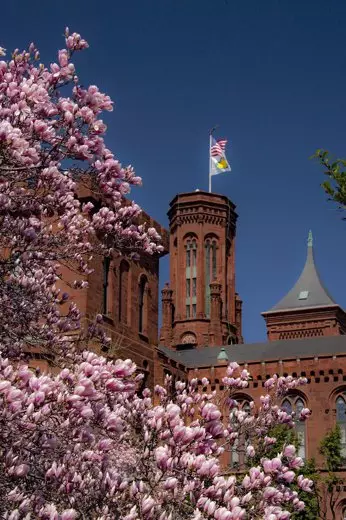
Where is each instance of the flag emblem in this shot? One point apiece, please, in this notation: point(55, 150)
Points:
point(218, 159)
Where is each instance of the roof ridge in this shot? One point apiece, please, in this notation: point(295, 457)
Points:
point(259, 352)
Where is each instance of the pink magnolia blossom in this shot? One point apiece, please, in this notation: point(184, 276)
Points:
point(83, 442)
point(95, 444)
point(51, 144)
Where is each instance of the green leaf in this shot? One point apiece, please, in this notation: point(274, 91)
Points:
point(327, 188)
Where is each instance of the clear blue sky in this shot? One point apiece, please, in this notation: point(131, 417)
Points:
point(272, 74)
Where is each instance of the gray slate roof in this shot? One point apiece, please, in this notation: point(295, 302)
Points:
point(257, 352)
point(308, 291)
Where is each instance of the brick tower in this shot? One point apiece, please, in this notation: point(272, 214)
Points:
point(307, 310)
point(200, 307)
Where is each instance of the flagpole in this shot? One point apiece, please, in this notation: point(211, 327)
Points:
point(210, 145)
point(210, 165)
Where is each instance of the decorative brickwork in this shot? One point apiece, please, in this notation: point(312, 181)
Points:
point(201, 299)
point(126, 293)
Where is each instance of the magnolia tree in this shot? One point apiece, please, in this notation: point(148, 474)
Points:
point(82, 443)
point(51, 145)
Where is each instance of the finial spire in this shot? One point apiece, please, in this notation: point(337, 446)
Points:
point(222, 356)
point(308, 291)
point(310, 239)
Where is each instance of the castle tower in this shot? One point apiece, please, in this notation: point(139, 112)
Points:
point(307, 310)
point(200, 306)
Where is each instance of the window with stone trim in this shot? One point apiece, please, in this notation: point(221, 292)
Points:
point(124, 277)
point(191, 277)
point(341, 421)
point(238, 451)
point(143, 305)
point(295, 404)
point(210, 248)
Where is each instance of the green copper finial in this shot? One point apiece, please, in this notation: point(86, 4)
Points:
point(222, 355)
point(310, 239)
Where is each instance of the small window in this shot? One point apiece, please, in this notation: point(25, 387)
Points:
point(188, 258)
point(303, 295)
point(188, 287)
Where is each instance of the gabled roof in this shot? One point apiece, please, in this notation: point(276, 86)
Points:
point(258, 352)
point(308, 291)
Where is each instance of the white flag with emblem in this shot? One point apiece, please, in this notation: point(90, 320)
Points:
point(218, 160)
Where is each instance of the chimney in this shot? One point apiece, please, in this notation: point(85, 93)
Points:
point(167, 310)
point(238, 317)
point(215, 329)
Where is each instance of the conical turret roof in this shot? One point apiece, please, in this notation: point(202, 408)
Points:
point(308, 291)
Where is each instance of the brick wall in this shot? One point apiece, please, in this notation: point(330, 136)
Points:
point(326, 380)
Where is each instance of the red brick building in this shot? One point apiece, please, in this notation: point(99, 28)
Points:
point(202, 320)
point(126, 293)
point(199, 307)
point(201, 324)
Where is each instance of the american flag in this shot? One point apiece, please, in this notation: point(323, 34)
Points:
point(218, 148)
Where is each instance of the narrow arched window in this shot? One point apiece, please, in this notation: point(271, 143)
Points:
point(191, 278)
point(143, 305)
point(295, 404)
point(105, 295)
point(213, 260)
point(210, 248)
point(287, 406)
point(300, 428)
point(341, 421)
point(238, 451)
point(123, 291)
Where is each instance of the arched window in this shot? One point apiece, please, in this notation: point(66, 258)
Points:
point(191, 277)
point(123, 291)
point(341, 421)
point(143, 305)
point(296, 404)
point(238, 451)
point(210, 247)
